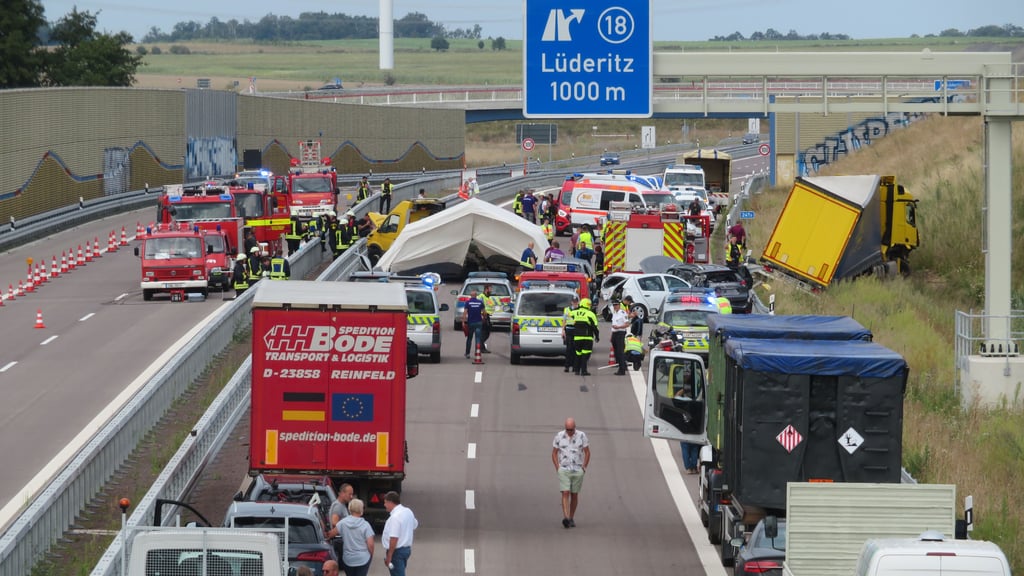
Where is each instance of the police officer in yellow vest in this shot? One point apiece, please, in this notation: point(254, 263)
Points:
point(585, 334)
point(490, 307)
point(279, 268)
point(547, 228)
point(569, 333)
point(294, 235)
point(634, 351)
point(239, 275)
point(385, 197)
point(724, 306)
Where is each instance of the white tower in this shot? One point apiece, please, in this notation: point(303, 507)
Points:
point(387, 34)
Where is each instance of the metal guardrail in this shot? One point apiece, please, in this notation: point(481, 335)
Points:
point(970, 335)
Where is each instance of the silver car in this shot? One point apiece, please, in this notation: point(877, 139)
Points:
point(537, 322)
point(501, 289)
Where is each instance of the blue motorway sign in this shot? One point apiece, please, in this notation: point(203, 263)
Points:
point(747, 214)
point(587, 59)
point(952, 84)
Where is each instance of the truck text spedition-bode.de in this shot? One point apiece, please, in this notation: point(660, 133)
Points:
point(329, 370)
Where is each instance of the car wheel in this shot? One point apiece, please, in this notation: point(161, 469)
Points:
point(435, 357)
point(514, 358)
point(641, 312)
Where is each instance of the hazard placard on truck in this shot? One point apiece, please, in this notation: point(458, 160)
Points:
point(328, 379)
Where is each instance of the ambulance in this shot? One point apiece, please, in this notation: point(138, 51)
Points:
point(585, 198)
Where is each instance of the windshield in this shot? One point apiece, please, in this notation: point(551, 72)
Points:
point(167, 248)
point(496, 289)
point(420, 302)
point(215, 244)
point(249, 205)
point(204, 211)
point(657, 199)
point(695, 179)
point(550, 304)
point(686, 318)
point(312, 184)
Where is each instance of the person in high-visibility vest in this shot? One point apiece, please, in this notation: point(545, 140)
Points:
point(341, 237)
point(279, 268)
point(254, 270)
point(585, 333)
point(724, 306)
point(517, 204)
point(239, 275)
point(634, 351)
point(294, 235)
point(385, 197)
point(732, 254)
point(529, 258)
point(547, 228)
point(569, 333)
point(314, 229)
point(490, 307)
point(363, 190)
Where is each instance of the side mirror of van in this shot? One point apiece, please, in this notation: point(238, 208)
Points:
point(444, 307)
point(771, 527)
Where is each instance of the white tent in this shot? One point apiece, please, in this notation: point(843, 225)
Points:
point(445, 237)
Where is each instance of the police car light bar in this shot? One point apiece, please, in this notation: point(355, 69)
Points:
point(557, 267)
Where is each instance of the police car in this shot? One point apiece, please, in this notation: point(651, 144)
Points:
point(501, 289)
point(423, 318)
point(686, 312)
point(538, 319)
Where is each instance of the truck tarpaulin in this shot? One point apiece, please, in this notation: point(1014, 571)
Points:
point(328, 385)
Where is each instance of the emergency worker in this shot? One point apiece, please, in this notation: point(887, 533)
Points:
point(634, 351)
point(490, 307)
point(295, 235)
point(385, 197)
point(254, 260)
point(265, 265)
point(724, 306)
point(547, 228)
point(339, 238)
point(569, 333)
point(517, 204)
point(254, 269)
point(239, 275)
point(250, 241)
point(732, 254)
point(313, 231)
point(585, 334)
point(363, 190)
point(279, 268)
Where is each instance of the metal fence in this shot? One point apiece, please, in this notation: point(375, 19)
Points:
point(971, 336)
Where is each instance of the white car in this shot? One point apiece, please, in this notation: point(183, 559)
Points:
point(647, 290)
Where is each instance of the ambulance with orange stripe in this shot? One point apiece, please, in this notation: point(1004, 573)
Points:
point(330, 362)
point(590, 195)
point(629, 236)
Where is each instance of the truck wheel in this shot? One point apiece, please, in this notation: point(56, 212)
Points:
point(374, 253)
point(435, 357)
point(205, 292)
point(715, 528)
point(515, 359)
point(147, 295)
point(704, 520)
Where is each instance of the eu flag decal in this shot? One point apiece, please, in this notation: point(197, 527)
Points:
point(352, 407)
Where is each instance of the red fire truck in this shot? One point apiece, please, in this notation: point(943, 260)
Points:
point(264, 212)
point(629, 236)
point(209, 206)
point(311, 188)
point(173, 261)
point(329, 367)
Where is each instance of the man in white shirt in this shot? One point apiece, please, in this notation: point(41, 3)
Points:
point(570, 453)
point(620, 322)
point(397, 535)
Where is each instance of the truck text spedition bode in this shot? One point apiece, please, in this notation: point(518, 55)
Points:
point(328, 384)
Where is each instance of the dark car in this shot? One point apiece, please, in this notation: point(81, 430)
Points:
point(751, 138)
point(762, 554)
point(725, 281)
point(331, 87)
point(610, 159)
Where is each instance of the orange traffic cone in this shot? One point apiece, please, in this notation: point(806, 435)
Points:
point(138, 229)
point(96, 248)
point(611, 357)
point(64, 262)
point(83, 257)
point(39, 319)
point(54, 271)
point(41, 271)
point(31, 285)
point(124, 237)
point(71, 259)
point(476, 355)
point(112, 242)
point(21, 288)
point(10, 291)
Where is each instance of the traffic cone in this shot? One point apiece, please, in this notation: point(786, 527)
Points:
point(31, 285)
point(138, 229)
point(124, 237)
point(41, 272)
point(10, 292)
point(54, 271)
point(71, 258)
point(39, 319)
point(21, 288)
point(96, 248)
point(64, 262)
point(611, 357)
point(112, 242)
point(476, 355)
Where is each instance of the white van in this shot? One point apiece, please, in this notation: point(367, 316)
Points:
point(592, 194)
point(931, 554)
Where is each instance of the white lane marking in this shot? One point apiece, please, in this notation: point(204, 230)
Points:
point(48, 340)
point(471, 451)
point(87, 316)
point(680, 495)
point(8, 366)
point(470, 500)
point(470, 561)
point(61, 459)
point(121, 297)
point(478, 377)
point(474, 411)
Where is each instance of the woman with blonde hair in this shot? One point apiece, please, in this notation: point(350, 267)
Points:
point(357, 538)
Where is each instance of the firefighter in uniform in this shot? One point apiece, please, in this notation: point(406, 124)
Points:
point(294, 235)
point(585, 334)
point(363, 190)
point(341, 237)
point(313, 230)
point(385, 197)
point(517, 204)
point(569, 333)
point(254, 268)
point(239, 279)
point(279, 268)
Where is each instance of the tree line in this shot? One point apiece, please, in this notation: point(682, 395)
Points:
point(308, 26)
point(771, 34)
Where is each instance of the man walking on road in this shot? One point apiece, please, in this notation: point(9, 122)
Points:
point(570, 454)
point(397, 534)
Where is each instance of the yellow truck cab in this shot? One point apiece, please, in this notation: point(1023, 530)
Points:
point(387, 227)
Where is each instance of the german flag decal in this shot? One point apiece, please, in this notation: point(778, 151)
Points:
point(304, 407)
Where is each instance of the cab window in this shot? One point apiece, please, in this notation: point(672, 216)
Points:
point(609, 196)
point(674, 283)
point(678, 379)
point(391, 224)
point(419, 302)
point(651, 284)
point(537, 304)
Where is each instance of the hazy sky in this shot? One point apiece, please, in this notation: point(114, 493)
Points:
point(673, 19)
